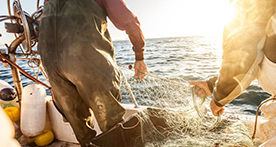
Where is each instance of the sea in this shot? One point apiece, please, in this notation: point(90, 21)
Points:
point(187, 58)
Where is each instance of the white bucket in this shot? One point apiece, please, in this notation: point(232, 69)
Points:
point(62, 129)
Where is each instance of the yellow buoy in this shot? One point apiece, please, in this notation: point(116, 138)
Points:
point(13, 113)
point(45, 138)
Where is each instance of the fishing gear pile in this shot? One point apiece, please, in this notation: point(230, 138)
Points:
point(183, 118)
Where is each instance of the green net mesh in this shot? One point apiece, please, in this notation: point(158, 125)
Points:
point(183, 119)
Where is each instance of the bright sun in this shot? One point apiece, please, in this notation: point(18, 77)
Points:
point(185, 18)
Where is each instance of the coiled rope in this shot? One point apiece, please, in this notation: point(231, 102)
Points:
point(257, 114)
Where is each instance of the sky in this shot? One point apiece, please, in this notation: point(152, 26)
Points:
point(158, 18)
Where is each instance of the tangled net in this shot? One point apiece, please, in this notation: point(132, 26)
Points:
point(183, 119)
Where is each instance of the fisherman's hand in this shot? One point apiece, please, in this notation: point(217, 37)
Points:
point(215, 109)
point(201, 88)
point(140, 69)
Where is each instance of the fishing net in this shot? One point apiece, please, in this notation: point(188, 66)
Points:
point(176, 117)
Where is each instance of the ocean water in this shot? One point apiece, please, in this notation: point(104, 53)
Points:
point(186, 58)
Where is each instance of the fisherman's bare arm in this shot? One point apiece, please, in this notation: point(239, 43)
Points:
point(125, 20)
point(140, 69)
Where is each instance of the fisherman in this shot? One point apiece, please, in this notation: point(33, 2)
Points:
point(248, 53)
point(78, 55)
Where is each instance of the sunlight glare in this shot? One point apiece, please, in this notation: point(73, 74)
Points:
point(229, 13)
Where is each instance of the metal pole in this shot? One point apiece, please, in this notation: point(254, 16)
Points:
point(16, 80)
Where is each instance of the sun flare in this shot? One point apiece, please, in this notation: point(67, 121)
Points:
point(196, 18)
point(228, 13)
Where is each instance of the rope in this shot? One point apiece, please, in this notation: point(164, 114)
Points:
point(128, 128)
point(215, 124)
point(5, 59)
point(37, 4)
point(195, 103)
point(3, 17)
point(89, 119)
point(24, 72)
point(129, 90)
point(256, 119)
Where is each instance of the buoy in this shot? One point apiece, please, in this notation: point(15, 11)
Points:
point(45, 138)
point(4, 84)
point(8, 95)
point(13, 113)
point(33, 110)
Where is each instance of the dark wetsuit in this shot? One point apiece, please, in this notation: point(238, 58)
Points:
point(78, 56)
